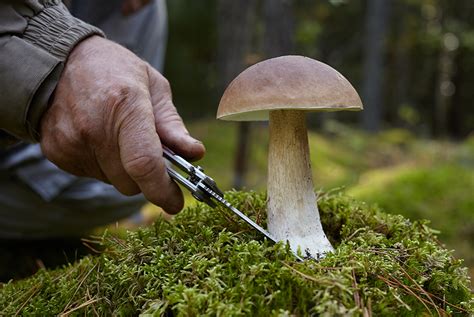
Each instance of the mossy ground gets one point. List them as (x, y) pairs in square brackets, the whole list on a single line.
[(402, 173), (207, 262)]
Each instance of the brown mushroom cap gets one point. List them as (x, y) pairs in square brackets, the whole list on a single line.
[(286, 82)]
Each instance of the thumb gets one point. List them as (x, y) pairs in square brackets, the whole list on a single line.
[(174, 134), (169, 125), (142, 160)]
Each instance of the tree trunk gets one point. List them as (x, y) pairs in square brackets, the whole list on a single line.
[(445, 86), (236, 24), (279, 28), (402, 73), (376, 29), (241, 154)]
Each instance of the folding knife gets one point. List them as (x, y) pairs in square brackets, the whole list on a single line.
[(204, 189)]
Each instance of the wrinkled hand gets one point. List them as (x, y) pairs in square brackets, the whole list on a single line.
[(110, 114)]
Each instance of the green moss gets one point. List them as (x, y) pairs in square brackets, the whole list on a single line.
[(401, 172), (442, 192), (208, 262)]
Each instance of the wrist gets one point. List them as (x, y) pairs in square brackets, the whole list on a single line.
[(85, 47), (56, 31)]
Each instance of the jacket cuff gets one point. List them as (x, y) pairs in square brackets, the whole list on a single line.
[(56, 31), (26, 88)]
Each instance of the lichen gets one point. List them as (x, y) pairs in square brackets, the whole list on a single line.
[(208, 262)]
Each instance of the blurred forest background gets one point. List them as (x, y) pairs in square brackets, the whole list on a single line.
[(411, 150), (412, 61)]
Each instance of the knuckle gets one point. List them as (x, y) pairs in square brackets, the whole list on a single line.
[(85, 131), (124, 94), (164, 83), (123, 106), (158, 81), (168, 114), (142, 167)]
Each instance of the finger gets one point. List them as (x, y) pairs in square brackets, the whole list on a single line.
[(142, 158), (174, 134), (169, 125), (108, 158), (57, 150)]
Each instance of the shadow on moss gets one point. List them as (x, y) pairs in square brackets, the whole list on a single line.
[(208, 262)]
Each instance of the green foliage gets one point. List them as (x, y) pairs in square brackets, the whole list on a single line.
[(423, 188), (206, 262), (435, 183)]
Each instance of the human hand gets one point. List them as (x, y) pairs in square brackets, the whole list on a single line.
[(108, 119)]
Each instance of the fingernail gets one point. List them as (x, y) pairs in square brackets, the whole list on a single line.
[(195, 140)]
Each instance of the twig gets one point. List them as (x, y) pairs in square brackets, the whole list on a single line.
[(306, 276), (356, 290), (92, 239), (327, 193), (87, 303), (40, 264), (329, 267), (400, 300), (421, 289), (369, 307), (90, 298), (445, 302), (79, 286), (395, 283), (353, 234), (34, 290), (448, 303), (90, 247)]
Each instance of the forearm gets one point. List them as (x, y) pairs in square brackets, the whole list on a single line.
[(35, 40)]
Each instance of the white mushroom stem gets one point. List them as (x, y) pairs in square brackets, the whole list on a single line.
[(293, 214)]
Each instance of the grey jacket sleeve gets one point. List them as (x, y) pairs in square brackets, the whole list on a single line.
[(35, 40)]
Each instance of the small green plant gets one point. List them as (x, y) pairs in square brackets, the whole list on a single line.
[(206, 262)]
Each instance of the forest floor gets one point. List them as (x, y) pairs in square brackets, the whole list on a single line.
[(402, 173), (205, 262), (396, 170)]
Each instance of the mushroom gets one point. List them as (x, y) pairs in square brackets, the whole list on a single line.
[(281, 90)]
